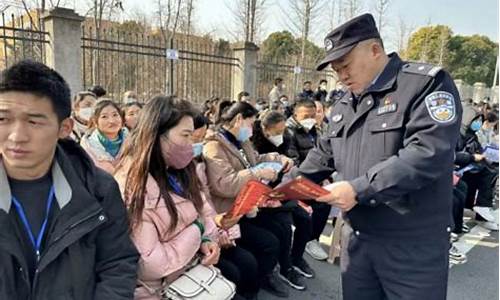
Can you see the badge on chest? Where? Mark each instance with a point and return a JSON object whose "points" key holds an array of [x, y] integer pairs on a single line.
{"points": [[387, 107]]}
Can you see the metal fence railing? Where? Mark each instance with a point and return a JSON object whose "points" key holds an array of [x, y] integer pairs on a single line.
{"points": [[21, 38], [122, 61], [293, 77]]}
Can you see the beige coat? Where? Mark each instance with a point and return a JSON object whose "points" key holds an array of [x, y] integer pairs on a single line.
{"points": [[228, 171]]}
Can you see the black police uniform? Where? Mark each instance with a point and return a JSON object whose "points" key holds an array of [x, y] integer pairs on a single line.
{"points": [[394, 144]]}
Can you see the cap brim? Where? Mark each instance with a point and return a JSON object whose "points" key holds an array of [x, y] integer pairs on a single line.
{"points": [[334, 55]]}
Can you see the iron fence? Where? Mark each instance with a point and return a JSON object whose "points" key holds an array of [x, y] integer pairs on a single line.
{"points": [[293, 77], [21, 38], [122, 61]]}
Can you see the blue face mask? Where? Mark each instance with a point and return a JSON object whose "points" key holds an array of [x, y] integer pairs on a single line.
{"points": [[476, 125], [245, 134], [197, 149]]}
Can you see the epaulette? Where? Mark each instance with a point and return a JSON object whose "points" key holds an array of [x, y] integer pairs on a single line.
{"points": [[421, 69]]}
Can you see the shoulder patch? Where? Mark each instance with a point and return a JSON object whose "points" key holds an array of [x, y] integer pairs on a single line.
{"points": [[421, 69], [441, 106]]}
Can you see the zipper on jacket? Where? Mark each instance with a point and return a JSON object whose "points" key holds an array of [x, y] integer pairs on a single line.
{"points": [[66, 231]]}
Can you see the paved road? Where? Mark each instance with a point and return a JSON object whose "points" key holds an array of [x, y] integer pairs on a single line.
{"points": [[477, 279]]}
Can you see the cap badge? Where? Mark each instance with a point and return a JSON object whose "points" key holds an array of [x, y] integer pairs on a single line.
{"points": [[328, 45], [337, 118]]}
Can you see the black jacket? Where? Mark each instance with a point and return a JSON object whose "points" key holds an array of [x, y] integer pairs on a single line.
{"points": [[309, 95], [87, 251], [303, 141], [397, 151], [320, 95], [263, 145]]}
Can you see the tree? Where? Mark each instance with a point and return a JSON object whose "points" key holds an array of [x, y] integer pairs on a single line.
{"points": [[351, 8], [248, 18], [381, 7], [279, 47], [472, 58], [168, 18], [303, 15], [403, 33], [429, 44]]}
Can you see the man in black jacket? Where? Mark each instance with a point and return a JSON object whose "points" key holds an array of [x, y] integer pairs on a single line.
{"points": [[303, 130], [270, 136], [307, 91], [64, 226], [302, 127], [321, 94]]}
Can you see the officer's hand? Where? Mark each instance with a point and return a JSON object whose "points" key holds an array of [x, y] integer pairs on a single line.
{"points": [[342, 196], [478, 157]]}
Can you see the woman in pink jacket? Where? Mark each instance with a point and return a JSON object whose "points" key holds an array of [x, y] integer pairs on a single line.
{"points": [[170, 219]]}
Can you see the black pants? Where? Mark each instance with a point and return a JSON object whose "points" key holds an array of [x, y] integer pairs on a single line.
{"points": [[320, 214], [459, 195], [240, 266], [303, 232], [262, 243], [381, 270], [482, 183], [280, 224]]}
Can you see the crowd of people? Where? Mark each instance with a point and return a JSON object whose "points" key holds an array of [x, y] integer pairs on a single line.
{"points": [[177, 168]]}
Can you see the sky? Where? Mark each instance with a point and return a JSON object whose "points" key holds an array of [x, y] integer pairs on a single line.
{"points": [[464, 17]]}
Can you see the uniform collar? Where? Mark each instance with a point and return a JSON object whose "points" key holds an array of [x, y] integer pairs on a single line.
{"points": [[62, 189], [385, 80]]}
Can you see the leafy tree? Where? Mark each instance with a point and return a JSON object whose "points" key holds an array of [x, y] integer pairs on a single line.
{"points": [[278, 47], [472, 58], [429, 44], [282, 47]]}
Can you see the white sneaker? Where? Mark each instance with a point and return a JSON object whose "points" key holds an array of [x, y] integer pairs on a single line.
{"points": [[314, 249], [457, 257], [453, 237], [489, 225], [485, 212]]}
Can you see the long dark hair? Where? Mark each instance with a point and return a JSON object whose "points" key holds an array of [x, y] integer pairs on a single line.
{"points": [[143, 149], [231, 110]]}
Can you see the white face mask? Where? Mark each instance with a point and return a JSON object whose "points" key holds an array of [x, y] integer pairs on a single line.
{"points": [[277, 140], [323, 87], [85, 113], [308, 123], [129, 100]]}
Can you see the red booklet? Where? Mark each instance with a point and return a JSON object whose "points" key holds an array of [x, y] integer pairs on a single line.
{"points": [[251, 195], [254, 193], [298, 189]]}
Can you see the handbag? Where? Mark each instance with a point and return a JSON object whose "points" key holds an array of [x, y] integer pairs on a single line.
{"points": [[198, 282]]}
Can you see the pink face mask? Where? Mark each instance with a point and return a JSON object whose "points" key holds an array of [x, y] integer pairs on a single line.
{"points": [[175, 155]]}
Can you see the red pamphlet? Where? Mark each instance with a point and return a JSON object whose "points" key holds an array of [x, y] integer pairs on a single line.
{"points": [[298, 189], [251, 195], [254, 193]]}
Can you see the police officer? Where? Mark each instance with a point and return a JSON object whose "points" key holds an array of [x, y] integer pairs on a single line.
{"points": [[391, 139]]}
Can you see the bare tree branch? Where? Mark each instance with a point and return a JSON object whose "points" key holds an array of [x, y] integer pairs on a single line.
{"points": [[381, 7], [351, 8], [248, 18]]}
